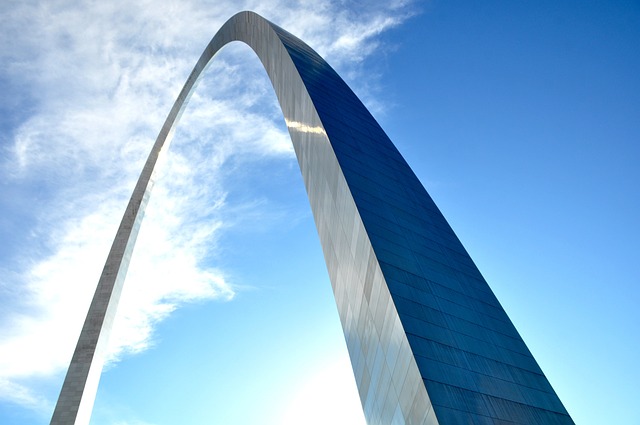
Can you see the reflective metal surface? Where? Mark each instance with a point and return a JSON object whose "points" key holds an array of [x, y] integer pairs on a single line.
{"points": [[429, 342]]}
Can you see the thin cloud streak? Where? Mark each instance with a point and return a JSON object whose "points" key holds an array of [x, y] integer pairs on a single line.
{"points": [[102, 77]]}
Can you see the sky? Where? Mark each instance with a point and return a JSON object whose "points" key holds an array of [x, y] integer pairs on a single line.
{"points": [[522, 120]]}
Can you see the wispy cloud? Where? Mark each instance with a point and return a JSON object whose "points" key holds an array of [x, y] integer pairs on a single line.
{"points": [[96, 80]]}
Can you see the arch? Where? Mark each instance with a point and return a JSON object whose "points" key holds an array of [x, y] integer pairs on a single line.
{"points": [[428, 341]]}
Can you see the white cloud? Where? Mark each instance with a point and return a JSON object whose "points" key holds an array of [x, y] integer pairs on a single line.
{"points": [[23, 395], [96, 80]]}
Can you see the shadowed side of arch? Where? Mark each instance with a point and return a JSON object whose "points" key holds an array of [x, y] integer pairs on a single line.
{"points": [[428, 341]]}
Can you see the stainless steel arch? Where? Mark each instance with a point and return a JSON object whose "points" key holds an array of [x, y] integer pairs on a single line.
{"points": [[418, 318]]}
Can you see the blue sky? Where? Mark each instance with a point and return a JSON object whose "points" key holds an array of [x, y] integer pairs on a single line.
{"points": [[522, 120]]}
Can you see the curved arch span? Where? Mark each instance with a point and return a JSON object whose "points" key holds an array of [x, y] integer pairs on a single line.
{"points": [[407, 291]]}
